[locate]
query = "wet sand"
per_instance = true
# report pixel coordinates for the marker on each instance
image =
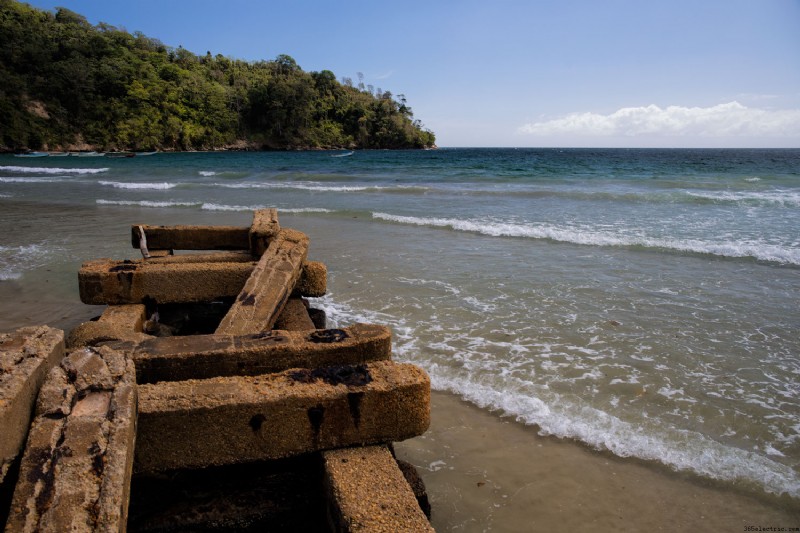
(487, 473)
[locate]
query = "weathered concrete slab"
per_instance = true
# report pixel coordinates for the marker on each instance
(199, 423)
(117, 323)
(367, 492)
(207, 356)
(294, 316)
(75, 474)
(265, 227)
(124, 282)
(313, 281)
(265, 293)
(192, 237)
(213, 257)
(26, 356)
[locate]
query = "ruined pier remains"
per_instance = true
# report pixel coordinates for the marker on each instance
(204, 361)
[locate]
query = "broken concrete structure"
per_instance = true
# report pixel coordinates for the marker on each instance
(248, 418)
(207, 356)
(76, 470)
(269, 286)
(367, 492)
(231, 367)
(117, 323)
(26, 356)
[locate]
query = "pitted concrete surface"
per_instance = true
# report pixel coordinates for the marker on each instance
(26, 356)
(75, 473)
(198, 423)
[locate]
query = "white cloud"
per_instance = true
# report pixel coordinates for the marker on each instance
(731, 120)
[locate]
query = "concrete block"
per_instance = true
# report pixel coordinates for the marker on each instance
(367, 492)
(207, 356)
(26, 356)
(118, 322)
(294, 316)
(265, 227)
(124, 282)
(200, 423)
(213, 257)
(265, 293)
(313, 281)
(75, 474)
(192, 237)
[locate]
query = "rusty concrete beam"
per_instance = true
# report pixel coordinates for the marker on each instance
(207, 356)
(294, 316)
(124, 282)
(313, 282)
(199, 423)
(265, 293)
(367, 492)
(75, 474)
(26, 355)
(265, 227)
(117, 323)
(213, 257)
(192, 237)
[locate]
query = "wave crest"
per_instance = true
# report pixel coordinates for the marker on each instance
(589, 237)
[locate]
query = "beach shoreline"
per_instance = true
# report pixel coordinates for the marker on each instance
(490, 473)
(485, 472)
(520, 286)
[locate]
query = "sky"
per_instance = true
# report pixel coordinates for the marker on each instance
(523, 73)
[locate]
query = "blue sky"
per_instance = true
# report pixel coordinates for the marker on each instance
(693, 73)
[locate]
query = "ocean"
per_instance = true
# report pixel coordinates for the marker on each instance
(643, 302)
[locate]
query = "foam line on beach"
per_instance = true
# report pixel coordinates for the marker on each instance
(137, 186)
(536, 405)
(51, 170)
(588, 237)
(147, 203)
(784, 198)
(318, 187)
(297, 210)
(680, 449)
(5, 179)
(16, 260)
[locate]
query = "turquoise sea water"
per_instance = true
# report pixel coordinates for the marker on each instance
(641, 301)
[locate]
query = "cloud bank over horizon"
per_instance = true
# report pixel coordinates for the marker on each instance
(717, 124)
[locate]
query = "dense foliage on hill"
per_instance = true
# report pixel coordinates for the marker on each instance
(67, 84)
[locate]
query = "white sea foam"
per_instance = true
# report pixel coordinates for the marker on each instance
(15, 260)
(147, 203)
(207, 173)
(221, 207)
(154, 186)
(590, 237)
(28, 180)
(48, 170)
(788, 198)
(567, 416)
(679, 449)
(305, 210)
(317, 187)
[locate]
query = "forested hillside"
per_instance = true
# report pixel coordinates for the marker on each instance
(66, 84)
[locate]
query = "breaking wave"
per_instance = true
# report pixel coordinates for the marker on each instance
(140, 186)
(589, 237)
(51, 170)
